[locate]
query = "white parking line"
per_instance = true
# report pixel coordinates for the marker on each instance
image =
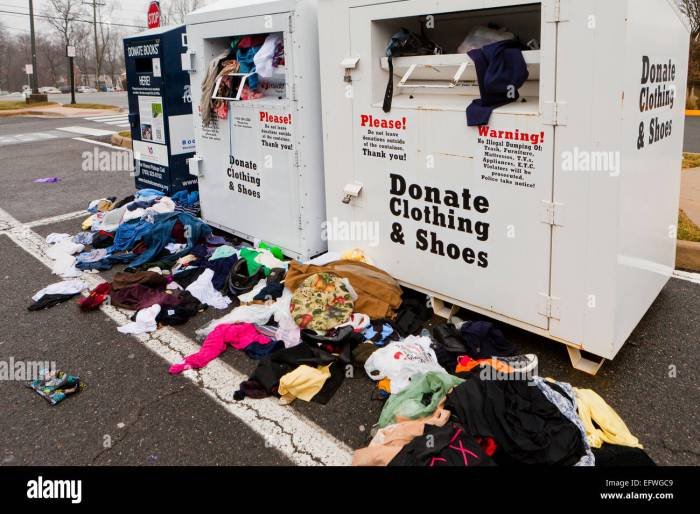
(86, 131)
(56, 219)
(283, 429)
(100, 143)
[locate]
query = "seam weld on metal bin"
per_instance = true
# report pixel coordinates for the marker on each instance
(260, 169)
(160, 109)
(558, 216)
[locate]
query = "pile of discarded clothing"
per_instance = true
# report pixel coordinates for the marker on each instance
(462, 386)
(304, 326)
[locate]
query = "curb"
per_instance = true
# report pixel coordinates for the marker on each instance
(688, 256)
(29, 112)
(122, 141)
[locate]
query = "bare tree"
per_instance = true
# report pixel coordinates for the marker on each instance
(14, 54)
(175, 11)
(51, 57)
(84, 52)
(114, 55)
(61, 14)
(691, 8)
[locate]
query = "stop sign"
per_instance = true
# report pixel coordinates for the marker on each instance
(154, 15)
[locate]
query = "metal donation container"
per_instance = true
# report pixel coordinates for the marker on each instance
(256, 87)
(160, 109)
(555, 209)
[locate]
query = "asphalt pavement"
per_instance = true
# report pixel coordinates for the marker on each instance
(134, 413)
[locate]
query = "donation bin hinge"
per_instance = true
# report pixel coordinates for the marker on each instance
(195, 165)
(549, 306)
(552, 213)
(553, 12)
(555, 113)
(291, 23)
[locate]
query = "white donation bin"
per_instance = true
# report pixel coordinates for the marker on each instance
(557, 213)
(259, 158)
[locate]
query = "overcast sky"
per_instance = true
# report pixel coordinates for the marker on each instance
(131, 12)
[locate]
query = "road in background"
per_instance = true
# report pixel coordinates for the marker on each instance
(118, 99)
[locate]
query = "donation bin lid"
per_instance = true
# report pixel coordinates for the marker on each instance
(155, 32)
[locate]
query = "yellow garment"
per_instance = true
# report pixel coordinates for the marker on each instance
(87, 224)
(355, 255)
(304, 382)
(592, 408)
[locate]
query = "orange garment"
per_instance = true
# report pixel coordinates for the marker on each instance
(466, 364)
(379, 295)
(390, 440)
(384, 385)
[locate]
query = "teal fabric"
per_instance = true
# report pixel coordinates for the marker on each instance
(222, 252)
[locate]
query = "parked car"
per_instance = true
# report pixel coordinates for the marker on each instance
(3, 92)
(86, 89)
(49, 90)
(65, 89)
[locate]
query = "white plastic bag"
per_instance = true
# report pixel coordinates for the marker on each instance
(482, 36)
(401, 360)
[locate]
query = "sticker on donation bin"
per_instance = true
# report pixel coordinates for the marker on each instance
(181, 134)
(150, 152)
(156, 67)
(152, 127)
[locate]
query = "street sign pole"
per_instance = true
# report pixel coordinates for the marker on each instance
(35, 79)
(70, 52)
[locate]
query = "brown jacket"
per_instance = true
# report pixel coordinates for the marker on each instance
(379, 295)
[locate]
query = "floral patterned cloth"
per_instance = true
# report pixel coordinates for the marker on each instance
(321, 302)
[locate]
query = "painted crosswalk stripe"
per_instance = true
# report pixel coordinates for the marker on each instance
(112, 118)
(87, 131)
(108, 117)
(115, 122)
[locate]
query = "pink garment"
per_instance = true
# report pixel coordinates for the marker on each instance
(238, 335)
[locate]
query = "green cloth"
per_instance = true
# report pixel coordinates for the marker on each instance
(274, 250)
(249, 254)
(222, 252)
(409, 402)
